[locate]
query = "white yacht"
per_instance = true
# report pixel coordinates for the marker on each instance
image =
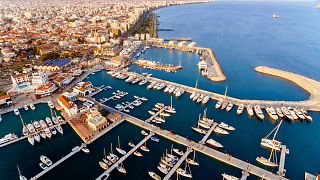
(258, 112)
(8, 138)
(137, 153)
(53, 130)
(37, 137)
(229, 177)
(154, 175)
(54, 120)
(16, 112)
(224, 105)
(45, 160)
(25, 108)
(240, 109)
(192, 95)
(250, 110)
(144, 133)
(177, 151)
(219, 130)
(131, 144)
(121, 169)
(219, 104)
(226, 126)
(293, 114)
(205, 100)
(167, 88)
(103, 165)
(229, 107)
(299, 113)
(59, 129)
(279, 112)
(214, 143)
(287, 113)
(272, 113)
(266, 162)
(49, 122)
(118, 148)
(50, 104)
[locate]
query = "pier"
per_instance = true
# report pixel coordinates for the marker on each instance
(73, 152)
(189, 150)
(225, 158)
(156, 114)
(281, 170)
(125, 156)
(178, 39)
(150, 65)
(130, 104)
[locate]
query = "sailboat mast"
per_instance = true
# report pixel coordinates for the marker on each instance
(118, 142)
(225, 93)
(277, 130)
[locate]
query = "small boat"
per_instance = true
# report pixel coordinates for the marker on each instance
(31, 139)
(198, 130)
(25, 107)
(8, 138)
(131, 144)
(144, 133)
(279, 112)
(59, 129)
(224, 105)
(137, 153)
(85, 150)
(219, 130)
(155, 139)
(205, 100)
(240, 109)
(121, 169)
(266, 162)
(21, 177)
(214, 143)
(229, 107)
(154, 175)
(45, 160)
(177, 151)
(121, 151)
(229, 177)
(43, 166)
(193, 160)
(184, 172)
(275, 16)
(144, 148)
(272, 113)
(37, 137)
(250, 110)
(103, 165)
(50, 104)
(151, 113)
(163, 169)
(16, 112)
(218, 104)
(53, 130)
(226, 126)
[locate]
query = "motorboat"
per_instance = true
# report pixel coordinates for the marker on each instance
(144, 148)
(214, 143)
(25, 108)
(131, 144)
(85, 149)
(16, 112)
(167, 88)
(226, 126)
(196, 97)
(155, 139)
(162, 169)
(229, 177)
(219, 104)
(229, 107)
(203, 125)
(49, 122)
(293, 114)
(299, 113)
(31, 139)
(54, 120)
(219, 130)
(240, 109)
(60, 119)
(37, 137)
(144, 133)
(192, 95)
(164, 114)
(198, 130)
(45, 160)
(151, 113)
(266, 162)
(200, 98)
(59, 129)
(154, 175)
(250, 110)
(121, 151)
(275, 16)
(50, 104)
(287, 113)
(157, 118)
(121, 169)
(48, 132)
(43, 166)
(53, 130)
(279, 112)
(258, 112)
(224, 105)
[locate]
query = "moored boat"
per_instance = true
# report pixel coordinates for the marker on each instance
(226, 126)
(214, 143)
(240, 109)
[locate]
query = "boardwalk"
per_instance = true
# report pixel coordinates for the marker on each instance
(250, 168)
(115, 165)
(73, 152)
(156, 114)
(281, 170)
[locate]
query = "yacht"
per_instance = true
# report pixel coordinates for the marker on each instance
(31, 139)
(8, 138)
(167, 88)
(103, 165)
(219, 130)
(163, 169)
(184, 172)
(36, 125)
(131, 144)
(250, 110)
(299, 113)
(85, 149)
(308, 118)
(224, 105)
(193, 160)
(177, 151)
(226, 126)
(229, 177)
(37, 137)
(258, 112)
(272, 113)
(154, 175)
(43, 166)
(137, 153)
(198, 130)
(196, 97)
(144, 133)
(155, 139)
(192, 95)
(45, 160)
(172, 89)
(293, 114)
(16, 112)
(48, 132)
(144, 148)
(275, 16)
(200, 98)
(25, 107)
(279, 112)
(54, 120)
(214, 143)
(50, 104)
(218, 104)
(164, 114)
(229, 107)
(60, 119)
(49, 122)
(60, 130)
(266, 162)
(240, 109)
(53, 130)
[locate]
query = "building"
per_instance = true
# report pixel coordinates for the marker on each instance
(108, 49)
(84, 88)
(39, 78)
(66, 103)
(52, 65)
(95, 120)
(45, 90)
(113, 117)
(5, 101)
(117, 61)
(62, 81)
(20, 81)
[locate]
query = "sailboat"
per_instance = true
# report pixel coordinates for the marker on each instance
(121, 151)
(105, 160)
(202, 123)
(103, 165)
(144, 147)
(225, 103)
(271, 161)
(194, 92)
(121, 169)
(272, 143)
(170, 109)
(184, 172)
(21, 177)
(193, 161)
(112, 157)
(199, 130)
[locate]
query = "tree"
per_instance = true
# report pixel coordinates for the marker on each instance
(2, 93)
(18, 69)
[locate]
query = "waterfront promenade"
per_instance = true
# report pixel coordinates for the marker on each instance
(228, 159)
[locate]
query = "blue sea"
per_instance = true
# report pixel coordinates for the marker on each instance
(242, 35)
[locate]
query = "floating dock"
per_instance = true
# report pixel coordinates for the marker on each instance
(156, 114)
(115, 165)
(282, 171)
